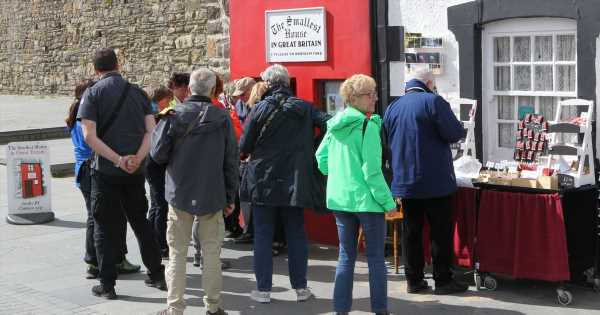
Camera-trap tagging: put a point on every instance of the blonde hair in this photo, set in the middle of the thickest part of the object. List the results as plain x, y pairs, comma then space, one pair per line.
354, 86
258, 90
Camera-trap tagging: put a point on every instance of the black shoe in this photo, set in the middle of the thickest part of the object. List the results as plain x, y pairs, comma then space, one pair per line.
218, 312
160, 283
197, 260
164, 253
417, 287
245, 238
91, 272
451, 287
234, 234
107, 293
126, 267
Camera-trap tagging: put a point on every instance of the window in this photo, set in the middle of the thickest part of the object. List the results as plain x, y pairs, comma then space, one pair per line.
529, 64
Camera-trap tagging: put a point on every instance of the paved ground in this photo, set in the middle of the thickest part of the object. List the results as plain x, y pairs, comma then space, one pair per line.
42, 273
32, 112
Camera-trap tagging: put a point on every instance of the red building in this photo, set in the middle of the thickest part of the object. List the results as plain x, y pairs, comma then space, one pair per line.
348, 51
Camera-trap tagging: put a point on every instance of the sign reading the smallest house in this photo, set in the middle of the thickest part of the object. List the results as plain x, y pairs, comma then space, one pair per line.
296, 35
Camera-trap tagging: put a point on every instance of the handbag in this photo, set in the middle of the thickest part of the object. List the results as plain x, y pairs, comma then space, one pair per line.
245, 189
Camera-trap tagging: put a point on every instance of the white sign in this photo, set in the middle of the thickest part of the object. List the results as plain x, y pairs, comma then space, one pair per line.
28, 178
297, 35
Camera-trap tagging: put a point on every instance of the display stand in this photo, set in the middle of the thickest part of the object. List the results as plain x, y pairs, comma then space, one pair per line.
584, 152
467, 147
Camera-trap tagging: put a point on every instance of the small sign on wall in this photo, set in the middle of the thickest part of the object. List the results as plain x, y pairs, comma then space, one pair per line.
297, 35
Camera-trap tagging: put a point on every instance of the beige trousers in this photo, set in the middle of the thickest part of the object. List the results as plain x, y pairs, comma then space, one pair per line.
210, 233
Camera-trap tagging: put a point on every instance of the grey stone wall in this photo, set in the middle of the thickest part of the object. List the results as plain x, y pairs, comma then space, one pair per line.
46, 45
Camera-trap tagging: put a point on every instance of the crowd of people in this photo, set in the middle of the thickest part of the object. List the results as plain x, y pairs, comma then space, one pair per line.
243, 160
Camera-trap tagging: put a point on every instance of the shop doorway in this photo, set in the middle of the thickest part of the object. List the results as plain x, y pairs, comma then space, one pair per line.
528, 65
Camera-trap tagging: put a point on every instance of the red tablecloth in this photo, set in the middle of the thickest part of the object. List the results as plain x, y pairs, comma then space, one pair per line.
464, 217
522, 235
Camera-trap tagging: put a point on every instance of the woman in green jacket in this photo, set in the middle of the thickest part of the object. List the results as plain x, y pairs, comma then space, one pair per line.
350, 155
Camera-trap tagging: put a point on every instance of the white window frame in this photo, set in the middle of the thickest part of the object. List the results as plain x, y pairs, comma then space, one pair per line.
529, 27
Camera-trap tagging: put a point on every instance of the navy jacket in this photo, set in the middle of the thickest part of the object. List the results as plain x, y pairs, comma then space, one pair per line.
282, 167
418, 128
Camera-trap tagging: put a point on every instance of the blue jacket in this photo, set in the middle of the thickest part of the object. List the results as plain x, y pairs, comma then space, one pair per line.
418, 128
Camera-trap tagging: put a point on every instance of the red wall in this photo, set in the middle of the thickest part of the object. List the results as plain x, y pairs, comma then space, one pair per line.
348, 41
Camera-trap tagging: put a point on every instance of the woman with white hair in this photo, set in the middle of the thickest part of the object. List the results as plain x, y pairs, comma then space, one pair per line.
279, 178
357, 192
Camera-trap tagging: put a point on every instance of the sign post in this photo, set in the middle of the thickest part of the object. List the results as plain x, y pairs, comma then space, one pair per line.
297, 35
29, 178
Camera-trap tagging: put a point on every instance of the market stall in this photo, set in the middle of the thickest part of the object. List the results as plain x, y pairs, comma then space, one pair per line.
537, 215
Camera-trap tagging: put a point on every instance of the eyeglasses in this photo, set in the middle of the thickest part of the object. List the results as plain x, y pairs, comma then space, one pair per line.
370, 94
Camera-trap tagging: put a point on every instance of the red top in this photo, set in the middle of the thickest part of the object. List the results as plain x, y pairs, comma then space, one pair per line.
235, 119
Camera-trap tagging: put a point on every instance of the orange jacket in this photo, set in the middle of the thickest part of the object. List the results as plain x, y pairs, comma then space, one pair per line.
235, 119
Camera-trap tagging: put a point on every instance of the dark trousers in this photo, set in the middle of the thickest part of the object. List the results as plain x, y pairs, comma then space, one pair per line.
439, 217
85, 186
111, 197
159, 208
232, 223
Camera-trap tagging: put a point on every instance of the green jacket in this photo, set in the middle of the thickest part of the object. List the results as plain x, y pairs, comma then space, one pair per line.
352, 162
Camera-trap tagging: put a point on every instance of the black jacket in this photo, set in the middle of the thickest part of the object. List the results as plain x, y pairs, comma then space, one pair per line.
282, 166
202, 169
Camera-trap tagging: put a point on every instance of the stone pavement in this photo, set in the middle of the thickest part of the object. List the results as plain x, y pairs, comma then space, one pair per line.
19, 112
42, 272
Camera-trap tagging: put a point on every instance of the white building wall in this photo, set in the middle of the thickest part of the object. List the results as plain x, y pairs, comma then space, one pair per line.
428, 17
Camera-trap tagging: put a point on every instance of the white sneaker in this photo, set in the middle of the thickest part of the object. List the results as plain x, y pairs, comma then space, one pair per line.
304, 294
261, 296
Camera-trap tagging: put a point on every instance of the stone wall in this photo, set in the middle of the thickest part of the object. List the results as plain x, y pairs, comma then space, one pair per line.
46, 46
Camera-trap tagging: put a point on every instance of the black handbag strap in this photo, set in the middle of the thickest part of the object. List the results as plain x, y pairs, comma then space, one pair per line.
103, 130
272, 114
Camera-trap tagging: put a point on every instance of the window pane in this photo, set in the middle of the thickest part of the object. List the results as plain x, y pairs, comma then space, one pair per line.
506, 135
565, 77
566, 48
543, 48
522, 78
522, 49
548, 107
502, 78
526, 105
506, 107
501, 49
543, 78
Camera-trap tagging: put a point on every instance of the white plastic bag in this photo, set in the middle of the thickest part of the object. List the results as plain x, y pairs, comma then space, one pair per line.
467, 167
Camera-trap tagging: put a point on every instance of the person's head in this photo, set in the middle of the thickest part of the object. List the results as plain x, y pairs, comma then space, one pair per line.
219, 86
426, 76
162, 96
243, 87
105, 60
359, 92
74, 108
258, 90
178, 83
276, 75
202, 82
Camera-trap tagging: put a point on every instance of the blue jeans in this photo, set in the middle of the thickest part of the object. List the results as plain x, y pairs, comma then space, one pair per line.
264, 230
373, 225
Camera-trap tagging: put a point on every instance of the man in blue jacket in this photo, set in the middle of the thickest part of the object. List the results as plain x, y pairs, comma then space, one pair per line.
418, 129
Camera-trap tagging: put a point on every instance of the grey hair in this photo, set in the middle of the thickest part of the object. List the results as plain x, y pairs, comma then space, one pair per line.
423, 75
202, 82
276, 75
